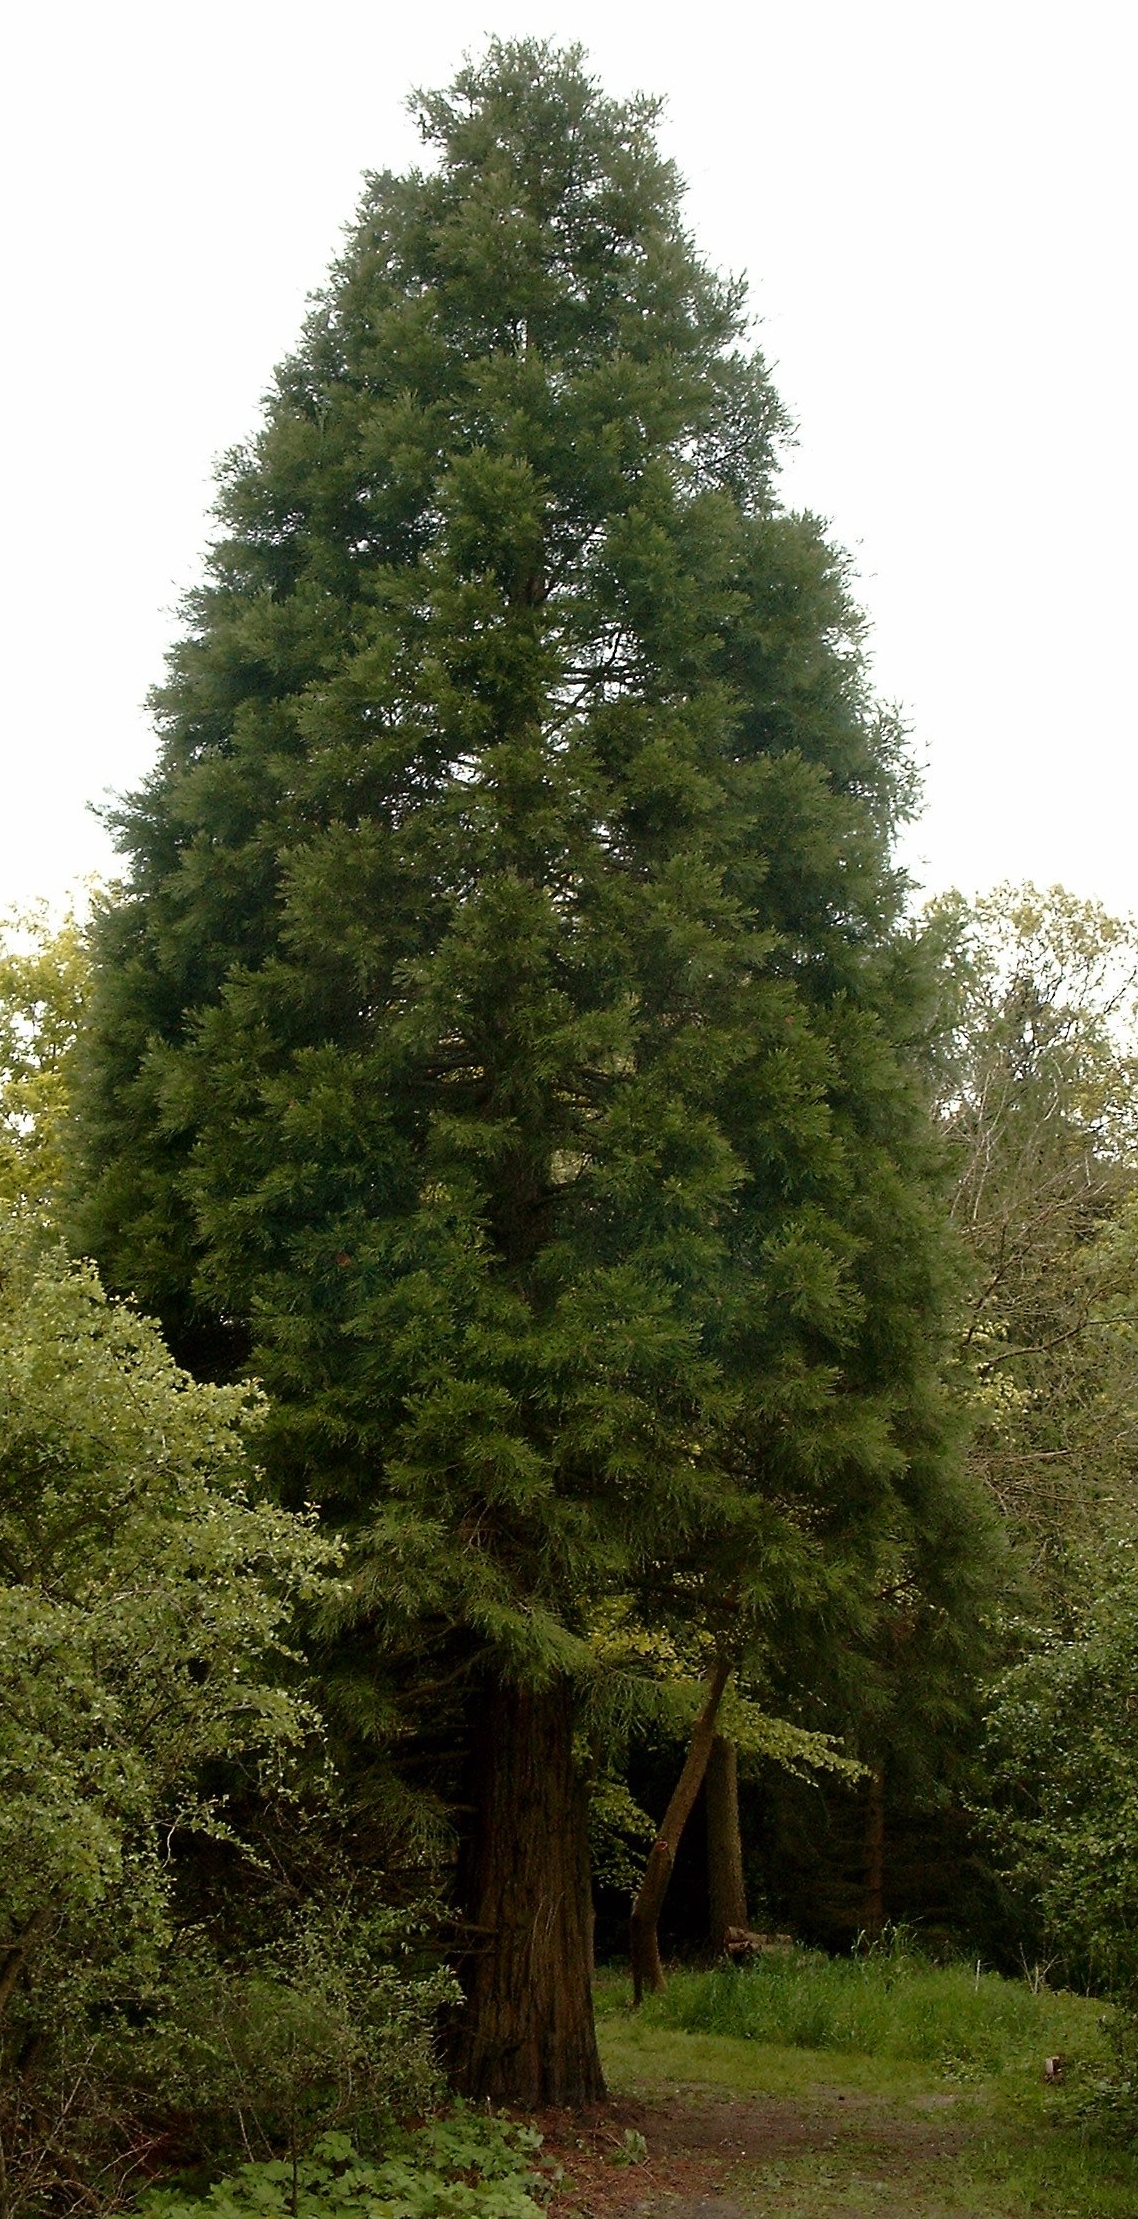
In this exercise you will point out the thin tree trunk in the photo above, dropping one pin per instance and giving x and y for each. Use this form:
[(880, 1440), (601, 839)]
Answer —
[(726, 1886), (526, 2033), (18, 1950), (647, 1970), (873, 1911)]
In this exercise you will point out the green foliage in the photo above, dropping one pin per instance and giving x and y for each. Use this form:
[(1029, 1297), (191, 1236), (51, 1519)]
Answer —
[(654, 1681), (464, 2166), (508, 1032), (43, 982), (1039, 1101), (331, 2026), (148, 1596), (1063, 1765), (1041, 1106), (646, 1687), (147, 1600), (888, 2002), (620, 1835), (1035, 1097), (217, 2058)]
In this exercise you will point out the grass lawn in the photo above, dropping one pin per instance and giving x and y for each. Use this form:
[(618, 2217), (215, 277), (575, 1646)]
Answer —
[(810, 2088)]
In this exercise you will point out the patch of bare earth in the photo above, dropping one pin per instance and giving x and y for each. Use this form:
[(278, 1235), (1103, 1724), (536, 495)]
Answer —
[(722, 2157)]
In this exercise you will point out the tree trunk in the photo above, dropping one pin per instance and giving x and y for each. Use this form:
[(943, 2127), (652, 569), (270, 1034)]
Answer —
[(526, 2033), (873, 1912), (647, 1971), (725, 1883)]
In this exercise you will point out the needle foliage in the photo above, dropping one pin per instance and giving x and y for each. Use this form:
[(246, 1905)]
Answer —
[(507, 1039)]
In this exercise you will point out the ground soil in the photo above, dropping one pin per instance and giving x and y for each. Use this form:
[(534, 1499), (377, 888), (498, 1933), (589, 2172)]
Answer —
[(712, 2156)]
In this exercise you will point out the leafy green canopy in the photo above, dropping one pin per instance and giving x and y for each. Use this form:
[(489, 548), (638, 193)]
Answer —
[(1039, 1094), (503, 1035), (43, 980), (146, 1609)]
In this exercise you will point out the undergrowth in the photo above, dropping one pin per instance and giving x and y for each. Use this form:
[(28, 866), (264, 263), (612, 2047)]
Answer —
[(888, 2003), (464, 2166)]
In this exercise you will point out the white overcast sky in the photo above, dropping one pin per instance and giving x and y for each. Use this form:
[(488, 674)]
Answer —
[(936, 208)]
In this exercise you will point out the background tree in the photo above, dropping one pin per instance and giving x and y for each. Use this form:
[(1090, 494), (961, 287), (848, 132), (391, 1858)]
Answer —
[(650, 1698), (43, 979), (507, 1037), (831, 1856), (1039, 1103), (1041, 1110), (1036, 1098), (726, 1872)]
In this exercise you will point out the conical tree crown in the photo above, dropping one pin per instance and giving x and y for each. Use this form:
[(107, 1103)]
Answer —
[(504, 1033)]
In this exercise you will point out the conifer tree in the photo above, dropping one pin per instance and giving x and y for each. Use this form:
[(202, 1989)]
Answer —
[(504, 1040)]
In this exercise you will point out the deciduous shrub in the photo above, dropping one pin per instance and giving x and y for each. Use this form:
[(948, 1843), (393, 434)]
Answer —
[(150, 1694)]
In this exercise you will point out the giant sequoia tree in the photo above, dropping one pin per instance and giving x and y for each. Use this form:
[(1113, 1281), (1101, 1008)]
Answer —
[(502, 1039)]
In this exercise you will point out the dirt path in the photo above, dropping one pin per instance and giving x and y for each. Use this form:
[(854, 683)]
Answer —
[(700, 2154)]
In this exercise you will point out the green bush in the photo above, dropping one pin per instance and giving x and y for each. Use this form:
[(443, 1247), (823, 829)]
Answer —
[(1063, 1771), (330, 2028), (150, 1706), (465, 2166), (1063, 1765), (148, 1599)]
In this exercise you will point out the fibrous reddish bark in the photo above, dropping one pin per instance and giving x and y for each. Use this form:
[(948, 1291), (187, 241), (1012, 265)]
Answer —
[(727, 1889), (526, 2033), (647, 1970)]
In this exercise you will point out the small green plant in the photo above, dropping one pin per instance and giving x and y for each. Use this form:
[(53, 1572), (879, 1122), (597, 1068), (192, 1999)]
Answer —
[(464, 2166), (632, 2149)]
